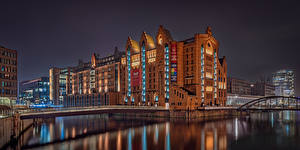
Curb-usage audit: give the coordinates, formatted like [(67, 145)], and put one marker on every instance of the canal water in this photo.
[(265, 130)]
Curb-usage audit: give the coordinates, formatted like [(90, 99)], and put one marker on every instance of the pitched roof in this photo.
[(150, 41), (134, 45)]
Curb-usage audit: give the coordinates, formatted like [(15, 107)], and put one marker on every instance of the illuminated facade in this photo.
[(34, 91), (184, 74), (284, 82), (58, 84), (95, 84), (8, 76)]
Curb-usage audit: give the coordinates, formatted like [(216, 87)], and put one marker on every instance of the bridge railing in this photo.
[(272, 102)]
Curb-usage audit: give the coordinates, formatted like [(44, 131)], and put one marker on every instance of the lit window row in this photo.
[(167, 84), (143, 73), (129, 72)]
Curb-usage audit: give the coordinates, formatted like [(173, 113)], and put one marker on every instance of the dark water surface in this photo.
[(268, 130)]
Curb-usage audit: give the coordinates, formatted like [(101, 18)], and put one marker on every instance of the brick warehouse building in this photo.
[(95, 84), (8, 76), (184, 74), (178, 74)]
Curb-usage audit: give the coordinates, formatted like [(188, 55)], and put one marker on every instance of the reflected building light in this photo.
[(223, 142), (106, 141), (287, 115), (51, 135), (144, 139), (156, 134), (85, 144), (167, 141), (62, 129), (100, 143), (129, 143), (119, 141), (67, 133), (84, 130), (44, 135), (33, 132), (287, 129), (209, 141), (132, 132), (215, 139), (272, 120), (73, 132), (202, 140), (236, 129)]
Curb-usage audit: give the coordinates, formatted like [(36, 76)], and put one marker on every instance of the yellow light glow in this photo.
[(209, 88), (151, 60), (209, 51), (135, 60), (151, 56), (123, 61), (209, 144), (209, 75)]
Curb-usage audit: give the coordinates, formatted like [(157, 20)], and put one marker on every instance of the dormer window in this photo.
[(160, 39)]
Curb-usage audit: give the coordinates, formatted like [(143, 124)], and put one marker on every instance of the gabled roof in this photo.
[(150, 41), (166, 33), (134, 45)]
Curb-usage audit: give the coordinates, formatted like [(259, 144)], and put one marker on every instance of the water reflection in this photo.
[(104, 133)]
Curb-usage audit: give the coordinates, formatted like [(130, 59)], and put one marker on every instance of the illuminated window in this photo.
[(156, 98), (209, 51), (135, 60), (209, 88), (209, 75), (123, 61), (160, 39), (151, 55)]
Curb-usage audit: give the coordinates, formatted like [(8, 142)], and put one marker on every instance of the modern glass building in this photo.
[(34, 91), (284, 81), (58, 78)]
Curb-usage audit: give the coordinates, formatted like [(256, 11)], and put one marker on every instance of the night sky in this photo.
[(257, 38)]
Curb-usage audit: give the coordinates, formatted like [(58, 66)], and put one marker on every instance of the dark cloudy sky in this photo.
[(257, 37)]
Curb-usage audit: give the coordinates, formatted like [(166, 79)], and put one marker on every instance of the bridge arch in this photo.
[(272, 102)]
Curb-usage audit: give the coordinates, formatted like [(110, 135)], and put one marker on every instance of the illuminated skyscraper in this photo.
[(284, 81)]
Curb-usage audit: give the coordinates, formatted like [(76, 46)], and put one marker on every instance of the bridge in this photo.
[(5, 109), (264, 103), (272, 103), (92, 110)]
